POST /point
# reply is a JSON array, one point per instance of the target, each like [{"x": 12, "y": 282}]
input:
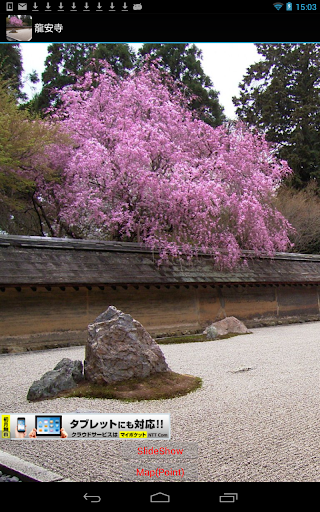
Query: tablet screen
[{"x": 48, "y": 425}]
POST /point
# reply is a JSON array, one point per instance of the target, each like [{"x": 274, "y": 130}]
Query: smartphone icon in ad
[{"x": 21, "y": 424}]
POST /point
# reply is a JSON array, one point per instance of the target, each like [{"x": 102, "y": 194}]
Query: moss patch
[
  {"x": 185, "y": 338},
  {"x": 158, "y": 386},
  {"x": 194, "y": 338}
]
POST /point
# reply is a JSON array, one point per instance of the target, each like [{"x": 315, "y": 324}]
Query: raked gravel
[{"x": 255, "y": 419}]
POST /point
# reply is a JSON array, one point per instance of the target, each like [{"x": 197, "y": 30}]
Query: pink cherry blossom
[
  {"x": 15, "y": 22},
  {"x": 144, "y": 168}
]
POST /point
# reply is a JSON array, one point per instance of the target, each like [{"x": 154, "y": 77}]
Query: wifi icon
[{"x": 278, "y": 6}]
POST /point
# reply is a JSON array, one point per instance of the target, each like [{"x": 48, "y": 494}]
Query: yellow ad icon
[
  {"x": 132, "y": 435},
  {"x": 5, "y": 426}
]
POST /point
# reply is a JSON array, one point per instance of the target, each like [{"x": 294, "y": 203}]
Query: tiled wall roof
[{"x": 55, "y": 261}]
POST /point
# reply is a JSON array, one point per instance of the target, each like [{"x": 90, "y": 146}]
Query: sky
[{"x": 224, "y": 63}]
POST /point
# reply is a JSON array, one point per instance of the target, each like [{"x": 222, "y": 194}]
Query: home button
[{"x": 160, "y": 497}]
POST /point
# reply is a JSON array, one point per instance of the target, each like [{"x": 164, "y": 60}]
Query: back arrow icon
[{"x": 93, "y": 499}]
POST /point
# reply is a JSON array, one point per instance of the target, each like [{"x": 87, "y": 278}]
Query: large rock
[
  {"x": 229, "y": 325},
  {"x": 119, "y": 348},
  {"x": 65, "y": 375}
]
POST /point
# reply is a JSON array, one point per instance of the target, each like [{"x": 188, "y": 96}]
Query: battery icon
[
  {"x": 288, "y": 6},
  {"x": 228, "y": 497}
]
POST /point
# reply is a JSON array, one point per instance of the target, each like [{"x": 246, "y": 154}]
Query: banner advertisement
[{"x": 84, "y": 426}]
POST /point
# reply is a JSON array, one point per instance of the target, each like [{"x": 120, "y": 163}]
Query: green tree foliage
[
  {"x": 66, "y": 61},
  {"x": 11, "y": 69},
  {"x": 24, "y": 144},
  {"x": 119, "y": 55},
  {"x": 280, "y": 95},
  {"x": 183, "y": 62},
  {"x": 63, "y": 62},
  {"x": 27, "y": 19}
]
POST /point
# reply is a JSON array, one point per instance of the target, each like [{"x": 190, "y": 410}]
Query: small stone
[
  {"x": 211, "y": 332},
  {"x": 242, "y": 369},
  {"x": 65, "y": 375}
]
